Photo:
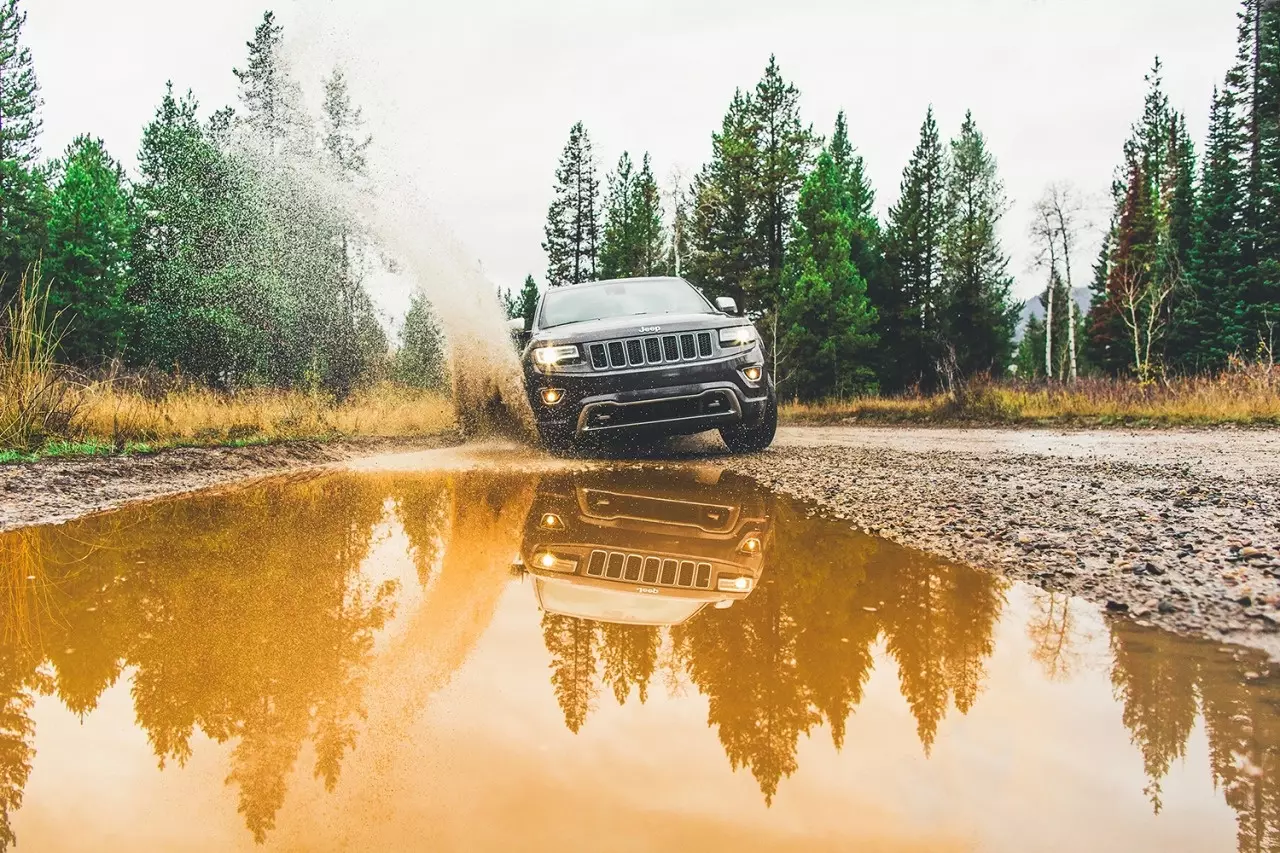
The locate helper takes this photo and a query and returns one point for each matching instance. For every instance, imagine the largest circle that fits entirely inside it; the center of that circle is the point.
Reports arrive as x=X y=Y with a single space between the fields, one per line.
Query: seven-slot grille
x=651 y=571
x=658 y=349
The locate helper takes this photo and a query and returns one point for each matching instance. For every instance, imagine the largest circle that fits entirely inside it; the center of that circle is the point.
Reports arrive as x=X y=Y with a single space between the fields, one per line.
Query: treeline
x=232 y=257
x=783 y=220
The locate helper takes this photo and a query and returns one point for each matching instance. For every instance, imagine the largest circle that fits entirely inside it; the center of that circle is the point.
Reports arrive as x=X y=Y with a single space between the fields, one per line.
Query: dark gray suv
x=642 y=357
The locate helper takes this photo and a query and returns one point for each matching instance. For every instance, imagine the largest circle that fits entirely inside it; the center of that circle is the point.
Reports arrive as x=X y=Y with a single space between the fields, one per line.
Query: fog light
x=552 y=563
x=551 y=396
x=551 y=521
x=735 y=584
x=753 y=373
x=751 y=546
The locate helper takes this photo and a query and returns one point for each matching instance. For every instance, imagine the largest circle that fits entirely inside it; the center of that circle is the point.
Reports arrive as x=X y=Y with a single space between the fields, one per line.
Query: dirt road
x=1180 y=529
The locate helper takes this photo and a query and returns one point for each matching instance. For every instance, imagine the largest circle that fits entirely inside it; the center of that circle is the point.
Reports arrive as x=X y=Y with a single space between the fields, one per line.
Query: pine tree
x=1152 y=233
x=867 y=239
x=344 y=137
x=271 y=100
x=979 y=317
x=723 y=250
x=910 y=307
x=421 y=361
x=573 y=221
x=193 y=291
x=1257 y=79
x=785 y=151
x=346 y=143
x=526 y=303
x=851 y=166
x=827 y=320
x=19 y=91
x=24 y=217
x=633 y=243
x=88 y=262
x=650 y=237
x=618 y=256
x=1211 y=321
x=24 y=194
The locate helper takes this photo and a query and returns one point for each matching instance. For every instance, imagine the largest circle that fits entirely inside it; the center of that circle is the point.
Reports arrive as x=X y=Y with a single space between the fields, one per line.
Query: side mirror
x=727 y=305
x=516 y=326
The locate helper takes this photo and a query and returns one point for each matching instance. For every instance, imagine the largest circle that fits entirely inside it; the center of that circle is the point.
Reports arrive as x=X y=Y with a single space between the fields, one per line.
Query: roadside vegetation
x=1246 y=395
x=49 y=409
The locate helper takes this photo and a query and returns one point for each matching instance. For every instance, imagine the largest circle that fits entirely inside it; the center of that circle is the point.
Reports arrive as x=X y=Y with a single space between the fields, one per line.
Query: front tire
x=752 y=439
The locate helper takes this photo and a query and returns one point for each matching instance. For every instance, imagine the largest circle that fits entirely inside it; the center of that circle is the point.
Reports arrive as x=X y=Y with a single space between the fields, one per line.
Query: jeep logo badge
x=648 y=590
x=649 y=330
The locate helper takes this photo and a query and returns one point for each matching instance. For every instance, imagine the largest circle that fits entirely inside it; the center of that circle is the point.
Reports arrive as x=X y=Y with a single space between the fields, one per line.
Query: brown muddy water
x=620 y=659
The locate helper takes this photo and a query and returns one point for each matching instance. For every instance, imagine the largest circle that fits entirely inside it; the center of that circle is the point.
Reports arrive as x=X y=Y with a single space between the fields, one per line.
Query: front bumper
x=670 y=399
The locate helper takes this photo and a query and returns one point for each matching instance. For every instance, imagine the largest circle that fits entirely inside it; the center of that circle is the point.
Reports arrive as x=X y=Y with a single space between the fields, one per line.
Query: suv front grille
x=651 y=571
x=658 y=349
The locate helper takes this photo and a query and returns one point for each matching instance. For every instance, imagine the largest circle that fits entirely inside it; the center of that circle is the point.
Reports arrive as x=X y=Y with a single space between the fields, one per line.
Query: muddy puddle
x=625 y=659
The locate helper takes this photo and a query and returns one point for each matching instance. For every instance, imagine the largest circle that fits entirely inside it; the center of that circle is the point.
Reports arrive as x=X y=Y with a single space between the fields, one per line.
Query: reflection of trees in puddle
x=1164 y=682
x=798 y=651
x=244 y=614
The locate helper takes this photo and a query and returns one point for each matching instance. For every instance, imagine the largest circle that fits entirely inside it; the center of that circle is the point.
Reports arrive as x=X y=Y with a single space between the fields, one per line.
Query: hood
x=620 y=606
x=629 y=327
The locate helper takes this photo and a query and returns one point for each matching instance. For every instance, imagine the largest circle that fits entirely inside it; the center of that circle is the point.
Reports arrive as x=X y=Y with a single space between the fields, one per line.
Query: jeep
x=645 y=357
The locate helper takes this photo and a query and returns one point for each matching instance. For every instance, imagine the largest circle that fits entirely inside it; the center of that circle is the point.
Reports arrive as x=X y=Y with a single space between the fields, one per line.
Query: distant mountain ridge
x=1033 y=308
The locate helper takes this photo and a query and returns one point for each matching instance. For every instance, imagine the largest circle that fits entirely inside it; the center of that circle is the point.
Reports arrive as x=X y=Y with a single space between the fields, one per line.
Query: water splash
x=487 y=378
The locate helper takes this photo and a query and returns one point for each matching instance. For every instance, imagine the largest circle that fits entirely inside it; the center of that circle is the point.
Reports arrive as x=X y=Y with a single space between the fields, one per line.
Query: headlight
x=547 y=356
x=735 y=584
x=737 y=336
x=553 y=563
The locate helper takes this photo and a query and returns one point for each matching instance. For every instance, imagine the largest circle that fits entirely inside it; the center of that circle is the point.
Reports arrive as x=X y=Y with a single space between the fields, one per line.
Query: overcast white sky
x=475 y=99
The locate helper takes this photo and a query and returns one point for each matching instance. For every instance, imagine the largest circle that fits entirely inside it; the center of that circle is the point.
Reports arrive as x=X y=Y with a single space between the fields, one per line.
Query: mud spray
x=397 y=222
x=487 y=378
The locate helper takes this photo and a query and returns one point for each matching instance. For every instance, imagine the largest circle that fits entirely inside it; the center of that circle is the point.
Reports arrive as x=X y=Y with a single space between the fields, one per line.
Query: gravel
x=1180 y=530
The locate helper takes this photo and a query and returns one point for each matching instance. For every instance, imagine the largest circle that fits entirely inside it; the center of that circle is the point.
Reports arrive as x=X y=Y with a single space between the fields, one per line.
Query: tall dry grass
x=46 y=408
x=36 y=401
x=1246 y=394
x=120 y=415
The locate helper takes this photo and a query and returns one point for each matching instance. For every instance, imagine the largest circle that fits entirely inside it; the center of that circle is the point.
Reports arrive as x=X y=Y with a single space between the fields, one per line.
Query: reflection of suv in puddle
x=644 y=547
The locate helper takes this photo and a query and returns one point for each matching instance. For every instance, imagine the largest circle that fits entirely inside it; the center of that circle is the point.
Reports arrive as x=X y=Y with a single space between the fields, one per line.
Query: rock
x=1167 y=606
x=1251 y=553
x=1117 y=606
x=1244 y=601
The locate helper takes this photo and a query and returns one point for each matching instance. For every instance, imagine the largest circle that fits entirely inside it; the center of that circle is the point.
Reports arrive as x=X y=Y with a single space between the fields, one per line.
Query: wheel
x=750 y=439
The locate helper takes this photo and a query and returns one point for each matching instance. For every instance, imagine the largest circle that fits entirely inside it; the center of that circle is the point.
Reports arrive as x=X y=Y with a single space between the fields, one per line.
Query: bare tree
x=1044 y=230
x=1142 y=300
x=676 y=184
x=1053 y=634
x=1066 y=208
x=1057 y=226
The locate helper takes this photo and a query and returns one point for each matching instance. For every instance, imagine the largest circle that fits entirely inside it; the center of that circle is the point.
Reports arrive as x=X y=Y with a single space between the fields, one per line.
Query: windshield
x=577 y=303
